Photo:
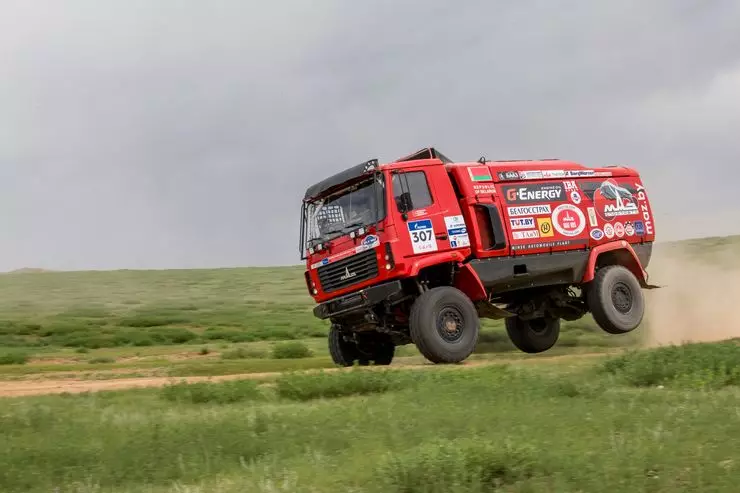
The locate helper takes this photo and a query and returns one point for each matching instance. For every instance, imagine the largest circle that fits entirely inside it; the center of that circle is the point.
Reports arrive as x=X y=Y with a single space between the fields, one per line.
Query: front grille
x=363 y=265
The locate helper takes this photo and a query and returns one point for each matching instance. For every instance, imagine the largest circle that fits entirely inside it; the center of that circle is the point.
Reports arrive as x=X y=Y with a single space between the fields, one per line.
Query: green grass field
x=658 y=420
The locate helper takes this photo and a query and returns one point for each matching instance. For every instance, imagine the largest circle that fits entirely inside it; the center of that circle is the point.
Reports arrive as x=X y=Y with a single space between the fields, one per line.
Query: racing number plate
x=422 y=236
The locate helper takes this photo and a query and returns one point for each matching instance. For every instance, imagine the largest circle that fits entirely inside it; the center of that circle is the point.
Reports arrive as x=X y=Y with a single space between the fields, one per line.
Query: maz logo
x=347 y=274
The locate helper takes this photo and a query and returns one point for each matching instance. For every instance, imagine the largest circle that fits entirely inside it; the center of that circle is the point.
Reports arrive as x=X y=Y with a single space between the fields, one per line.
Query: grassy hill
x=168 y=307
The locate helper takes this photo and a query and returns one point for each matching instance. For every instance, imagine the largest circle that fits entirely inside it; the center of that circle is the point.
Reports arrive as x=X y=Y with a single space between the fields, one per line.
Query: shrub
x=203 y=351
x=14 y=358
x=692 y=365
x=243 y=353
x=207 y=392
x=291 y=350
x=457 y=465
x=329 y=385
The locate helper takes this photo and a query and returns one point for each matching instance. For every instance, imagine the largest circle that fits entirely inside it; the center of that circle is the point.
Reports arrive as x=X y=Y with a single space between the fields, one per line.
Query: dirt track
x=17 y=388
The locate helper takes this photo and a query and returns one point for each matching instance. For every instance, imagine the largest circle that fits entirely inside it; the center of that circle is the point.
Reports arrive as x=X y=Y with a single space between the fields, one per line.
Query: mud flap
x=487 y=309
x=651 y=286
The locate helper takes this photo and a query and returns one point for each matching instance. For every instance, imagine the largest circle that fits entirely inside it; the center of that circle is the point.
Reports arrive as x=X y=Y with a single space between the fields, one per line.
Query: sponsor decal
x=525 y=235
x=553 y=173
x=609 y=231
x=592 y=220
x=644 y=211
x=639 y=228
x=370 y=241
x=629 y=230
x=569 y=173
x=529 y=210
x=480 y=173
x=508 y=175
x=422 y=236
x=547 y=244
x=544 y=225
x=522 y=222
x=619 y=229
x=457 y=232
x=419 y=213
x=596 y=234
x=613 y=200
x=568 y=220
x=570 y=185
x=575 y=197
x=552 y=192
x=530 y=175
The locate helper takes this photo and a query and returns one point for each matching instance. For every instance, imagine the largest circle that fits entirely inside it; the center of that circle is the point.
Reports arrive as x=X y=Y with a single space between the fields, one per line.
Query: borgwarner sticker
x=457 y=231
x=422 y=236
x=529 y=210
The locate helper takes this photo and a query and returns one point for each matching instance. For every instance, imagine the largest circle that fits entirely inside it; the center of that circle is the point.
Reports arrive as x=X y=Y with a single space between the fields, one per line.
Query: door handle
x=441 y=236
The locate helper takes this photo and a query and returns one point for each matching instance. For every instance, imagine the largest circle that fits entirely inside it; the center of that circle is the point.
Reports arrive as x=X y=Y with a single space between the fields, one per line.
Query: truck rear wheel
x=616 y=300
x=535 y=335
x=444 y=325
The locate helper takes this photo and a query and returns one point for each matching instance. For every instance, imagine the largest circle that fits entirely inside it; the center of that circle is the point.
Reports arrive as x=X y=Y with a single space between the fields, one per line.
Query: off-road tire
x=383 y=354
x=533 y=336
x=343 y=353
x=616 y=300
x=428 y=322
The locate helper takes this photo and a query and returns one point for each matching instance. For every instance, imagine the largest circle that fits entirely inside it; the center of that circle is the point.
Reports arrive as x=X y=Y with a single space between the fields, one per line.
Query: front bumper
x=358 y=301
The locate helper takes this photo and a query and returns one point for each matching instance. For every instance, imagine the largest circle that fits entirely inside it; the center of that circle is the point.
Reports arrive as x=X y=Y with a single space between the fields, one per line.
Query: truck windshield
x=356 y=206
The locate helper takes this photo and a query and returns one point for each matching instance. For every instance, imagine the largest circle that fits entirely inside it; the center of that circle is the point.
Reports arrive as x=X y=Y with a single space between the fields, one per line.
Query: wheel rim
x=622 y=297
x=450 y=324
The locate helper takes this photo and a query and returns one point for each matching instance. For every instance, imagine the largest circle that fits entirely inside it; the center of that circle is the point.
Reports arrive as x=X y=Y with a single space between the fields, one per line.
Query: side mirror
x=405 y=204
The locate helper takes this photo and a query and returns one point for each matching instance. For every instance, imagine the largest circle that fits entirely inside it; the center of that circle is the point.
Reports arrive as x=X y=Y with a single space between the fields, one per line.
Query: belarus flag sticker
x=480 y=173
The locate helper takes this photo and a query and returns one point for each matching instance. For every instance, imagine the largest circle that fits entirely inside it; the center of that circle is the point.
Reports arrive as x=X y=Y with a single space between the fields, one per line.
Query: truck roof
x=430 y=156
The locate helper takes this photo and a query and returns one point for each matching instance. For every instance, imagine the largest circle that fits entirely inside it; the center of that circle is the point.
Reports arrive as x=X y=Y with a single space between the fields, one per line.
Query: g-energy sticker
x=523 y=194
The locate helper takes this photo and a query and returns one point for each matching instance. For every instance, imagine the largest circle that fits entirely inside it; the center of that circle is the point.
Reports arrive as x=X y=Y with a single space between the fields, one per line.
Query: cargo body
x=418 y=250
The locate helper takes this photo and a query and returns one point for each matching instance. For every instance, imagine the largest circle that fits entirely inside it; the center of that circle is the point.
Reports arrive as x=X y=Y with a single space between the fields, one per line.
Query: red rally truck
x=420 y=249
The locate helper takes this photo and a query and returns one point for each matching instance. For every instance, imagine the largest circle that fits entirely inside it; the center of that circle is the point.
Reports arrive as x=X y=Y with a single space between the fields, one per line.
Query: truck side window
x=413 y=188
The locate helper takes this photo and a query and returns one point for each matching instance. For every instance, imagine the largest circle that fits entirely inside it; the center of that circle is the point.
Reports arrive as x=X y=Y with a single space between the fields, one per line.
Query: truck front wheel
x=615 y=299
x=444 y=325
x=535 y=335
x=343 y=353
x=374 y=348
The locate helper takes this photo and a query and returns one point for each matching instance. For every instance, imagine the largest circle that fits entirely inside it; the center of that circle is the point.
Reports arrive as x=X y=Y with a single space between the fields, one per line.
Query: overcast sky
x=141 y=134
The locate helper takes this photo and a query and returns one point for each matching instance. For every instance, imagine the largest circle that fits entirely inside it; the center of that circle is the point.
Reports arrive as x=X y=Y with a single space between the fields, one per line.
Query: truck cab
x=419 y=249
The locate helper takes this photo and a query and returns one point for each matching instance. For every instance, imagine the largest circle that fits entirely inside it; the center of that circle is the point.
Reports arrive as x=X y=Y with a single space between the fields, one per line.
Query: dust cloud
x=699 y=297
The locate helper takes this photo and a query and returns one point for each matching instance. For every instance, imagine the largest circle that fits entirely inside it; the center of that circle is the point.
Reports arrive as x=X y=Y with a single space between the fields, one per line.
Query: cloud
x=182 y=134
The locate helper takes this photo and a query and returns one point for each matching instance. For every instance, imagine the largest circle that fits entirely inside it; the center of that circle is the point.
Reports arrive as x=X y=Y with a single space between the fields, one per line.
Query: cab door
x=426 y=211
